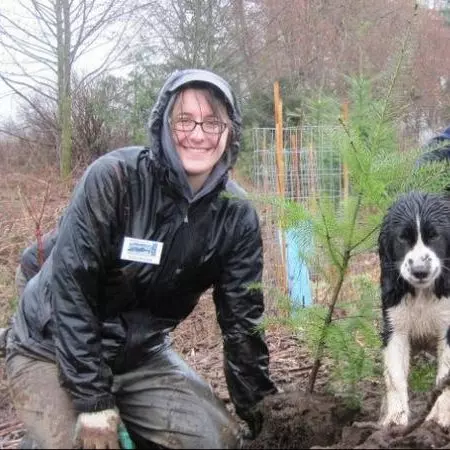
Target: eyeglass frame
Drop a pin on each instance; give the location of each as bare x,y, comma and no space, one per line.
223,125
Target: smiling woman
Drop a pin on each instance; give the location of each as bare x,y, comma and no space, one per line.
145,234
200,126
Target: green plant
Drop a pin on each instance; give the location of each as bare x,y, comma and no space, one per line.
351,342
378,172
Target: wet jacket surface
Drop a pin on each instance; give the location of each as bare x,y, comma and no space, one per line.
98,314
34,256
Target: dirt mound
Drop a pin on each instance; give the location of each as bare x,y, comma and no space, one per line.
301,420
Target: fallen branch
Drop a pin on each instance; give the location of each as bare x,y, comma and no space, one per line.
12,444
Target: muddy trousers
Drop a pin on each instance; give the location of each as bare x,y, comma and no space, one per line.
162,402
20,281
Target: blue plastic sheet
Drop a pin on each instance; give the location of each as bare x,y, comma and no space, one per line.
298,246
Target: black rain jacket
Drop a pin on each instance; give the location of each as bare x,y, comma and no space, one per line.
97,314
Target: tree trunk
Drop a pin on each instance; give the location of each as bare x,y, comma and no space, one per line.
64,88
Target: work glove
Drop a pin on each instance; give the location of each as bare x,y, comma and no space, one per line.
98,430
254,418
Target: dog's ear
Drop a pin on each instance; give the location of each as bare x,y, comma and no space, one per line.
389,277
385,250
393,286
383,241
442,284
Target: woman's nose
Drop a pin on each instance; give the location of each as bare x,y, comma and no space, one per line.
197,133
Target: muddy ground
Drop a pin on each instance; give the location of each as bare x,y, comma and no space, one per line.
293,418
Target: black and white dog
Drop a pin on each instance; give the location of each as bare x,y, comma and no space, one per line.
414,250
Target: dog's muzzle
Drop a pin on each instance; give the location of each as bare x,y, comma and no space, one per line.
421,268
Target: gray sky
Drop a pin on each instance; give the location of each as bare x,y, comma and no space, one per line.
6,100
86,63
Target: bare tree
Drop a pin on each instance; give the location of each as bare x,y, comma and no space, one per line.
98,116
226,36
191,33
44,39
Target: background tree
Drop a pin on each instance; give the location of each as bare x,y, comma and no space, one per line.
190,33
44,39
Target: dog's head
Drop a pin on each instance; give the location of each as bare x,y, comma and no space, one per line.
414,243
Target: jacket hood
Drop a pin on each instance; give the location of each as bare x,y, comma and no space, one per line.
161,137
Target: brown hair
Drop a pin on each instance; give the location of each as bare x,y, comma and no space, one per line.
214,97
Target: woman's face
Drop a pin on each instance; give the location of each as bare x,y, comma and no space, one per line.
199,145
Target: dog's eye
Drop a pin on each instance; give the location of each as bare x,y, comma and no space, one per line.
404,236
432,235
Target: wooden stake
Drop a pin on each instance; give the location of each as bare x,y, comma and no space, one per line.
278,113
278,106
345,167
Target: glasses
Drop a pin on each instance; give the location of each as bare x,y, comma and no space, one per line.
208,126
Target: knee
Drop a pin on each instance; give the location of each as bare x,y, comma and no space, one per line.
224,435
231,436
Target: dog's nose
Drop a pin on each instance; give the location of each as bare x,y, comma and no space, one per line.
419,272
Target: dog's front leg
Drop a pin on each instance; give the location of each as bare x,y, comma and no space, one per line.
440,413
395,409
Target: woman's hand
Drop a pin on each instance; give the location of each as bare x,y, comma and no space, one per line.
98,430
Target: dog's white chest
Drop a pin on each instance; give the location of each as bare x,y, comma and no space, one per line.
421,317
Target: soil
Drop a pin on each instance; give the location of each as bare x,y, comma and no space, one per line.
295,419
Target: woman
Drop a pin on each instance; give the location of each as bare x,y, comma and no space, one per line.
146,232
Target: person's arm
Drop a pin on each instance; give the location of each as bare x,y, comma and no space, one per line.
240,307
79,257
33,256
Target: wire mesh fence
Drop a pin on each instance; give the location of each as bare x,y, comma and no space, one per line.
311,167
311,164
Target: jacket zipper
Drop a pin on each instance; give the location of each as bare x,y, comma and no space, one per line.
168,252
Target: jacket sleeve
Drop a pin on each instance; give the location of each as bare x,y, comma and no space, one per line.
79,258
240,307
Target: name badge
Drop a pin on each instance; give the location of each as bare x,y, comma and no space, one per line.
140,250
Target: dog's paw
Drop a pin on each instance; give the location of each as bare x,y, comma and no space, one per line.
442,423
439,417
394,419
440,413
